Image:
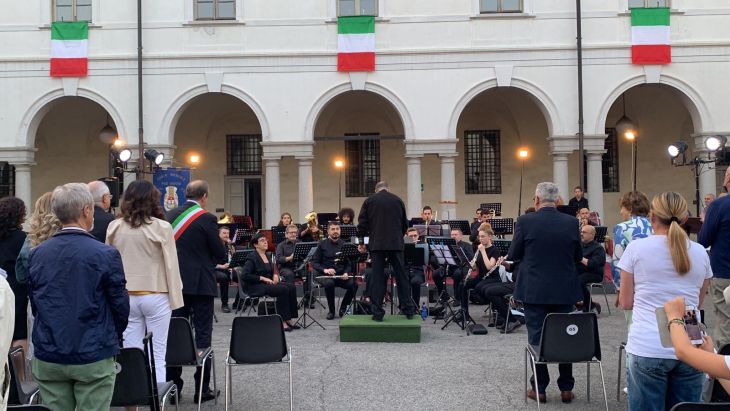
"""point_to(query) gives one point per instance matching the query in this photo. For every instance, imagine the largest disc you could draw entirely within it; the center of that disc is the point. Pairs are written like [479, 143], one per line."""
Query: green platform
[393, 328]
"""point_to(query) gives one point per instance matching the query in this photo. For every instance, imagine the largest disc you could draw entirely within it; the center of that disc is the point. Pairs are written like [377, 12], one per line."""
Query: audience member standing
[77, 292]
[7, 320]
[198, 251]
[654, 270]
[144, 239]
[12, 236]
[715, 233]
[548, 246]
[708, 199]
[102, 204]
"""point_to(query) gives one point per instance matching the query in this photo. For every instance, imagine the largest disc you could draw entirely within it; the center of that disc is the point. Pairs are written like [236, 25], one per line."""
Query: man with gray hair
[79, 299]
[547, 246]
[102, 203]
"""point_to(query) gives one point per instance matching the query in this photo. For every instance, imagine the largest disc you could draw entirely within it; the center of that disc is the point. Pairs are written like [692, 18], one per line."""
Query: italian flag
[650, 36]
[69, 49]
[356, 43]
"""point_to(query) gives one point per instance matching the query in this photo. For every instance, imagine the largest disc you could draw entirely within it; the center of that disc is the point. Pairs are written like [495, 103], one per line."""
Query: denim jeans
[659, 384]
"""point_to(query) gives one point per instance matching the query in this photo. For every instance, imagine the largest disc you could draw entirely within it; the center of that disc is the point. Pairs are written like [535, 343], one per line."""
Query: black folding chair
[567, 338]
[247, 298]
[136, 383]
[182, 352]
[23, 389]
[257, 340]
[621, 358]
[701, 406]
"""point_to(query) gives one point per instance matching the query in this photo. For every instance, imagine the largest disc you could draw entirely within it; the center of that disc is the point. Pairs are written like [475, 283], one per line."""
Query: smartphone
[692, 325]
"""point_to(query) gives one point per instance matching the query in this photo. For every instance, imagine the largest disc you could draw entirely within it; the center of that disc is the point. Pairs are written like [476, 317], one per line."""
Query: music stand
[278, 233]
[303, 252]
[502, 226]
[462, 225]
[497, 207]
[324, 218]
[414, 255]
[243, 235]
[348, 231]
[569, 210]
[459, 317]
[433, 230]
[601, 232]
[502, 246]
[239, 257]
[415, 221]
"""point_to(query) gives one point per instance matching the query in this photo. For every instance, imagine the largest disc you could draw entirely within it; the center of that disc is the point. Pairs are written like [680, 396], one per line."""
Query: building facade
[252, 87]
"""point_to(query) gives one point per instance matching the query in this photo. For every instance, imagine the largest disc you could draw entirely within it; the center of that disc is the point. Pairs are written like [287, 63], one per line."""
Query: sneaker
[225, 308]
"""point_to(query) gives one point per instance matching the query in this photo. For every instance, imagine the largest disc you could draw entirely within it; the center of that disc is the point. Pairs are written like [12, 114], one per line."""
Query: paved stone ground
[447, 370]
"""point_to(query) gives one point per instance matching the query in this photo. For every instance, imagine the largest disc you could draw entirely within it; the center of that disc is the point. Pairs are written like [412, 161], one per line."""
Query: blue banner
[171, 182]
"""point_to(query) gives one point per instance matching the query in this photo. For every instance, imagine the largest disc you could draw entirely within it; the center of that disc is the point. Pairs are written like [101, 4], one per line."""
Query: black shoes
[225, 308]
[513, 325]
[378, 317]
[208, 395]
[342, 313]
[330, 316]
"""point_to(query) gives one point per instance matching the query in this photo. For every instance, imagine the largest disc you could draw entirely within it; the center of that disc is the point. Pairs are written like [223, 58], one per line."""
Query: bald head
[587, 233]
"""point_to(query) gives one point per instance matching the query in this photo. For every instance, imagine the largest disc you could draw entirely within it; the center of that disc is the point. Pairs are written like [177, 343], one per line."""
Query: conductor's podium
[393, 329]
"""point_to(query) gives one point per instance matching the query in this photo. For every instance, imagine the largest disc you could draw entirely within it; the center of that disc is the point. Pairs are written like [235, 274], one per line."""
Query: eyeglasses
[291, 232]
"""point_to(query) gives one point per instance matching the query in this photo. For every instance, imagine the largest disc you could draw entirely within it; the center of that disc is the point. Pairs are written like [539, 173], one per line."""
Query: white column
[560, 174]
[272, 205]
[448, 187]
[413, 170]
[22, 185]
[595, 182]
[306, 191]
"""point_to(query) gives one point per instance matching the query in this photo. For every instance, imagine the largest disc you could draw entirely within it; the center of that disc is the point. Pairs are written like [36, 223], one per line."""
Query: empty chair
[567, 338]
[23, 389]
[182, 352]
[257, 340]
[136, 383]
[602, 286]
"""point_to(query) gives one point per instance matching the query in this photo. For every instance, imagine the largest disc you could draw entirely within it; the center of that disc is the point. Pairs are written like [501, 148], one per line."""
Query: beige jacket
[7, 322]
[149, 256]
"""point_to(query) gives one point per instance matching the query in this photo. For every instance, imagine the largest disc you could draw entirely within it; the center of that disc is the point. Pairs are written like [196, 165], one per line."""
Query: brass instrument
[226, 219]
[312, 225]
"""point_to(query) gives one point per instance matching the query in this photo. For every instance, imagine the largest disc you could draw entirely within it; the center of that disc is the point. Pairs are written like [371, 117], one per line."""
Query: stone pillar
[595, 182]
[448, 186]
[560, 174]
[272, 204]
[413, 170]
[22, 185]
[306, 191]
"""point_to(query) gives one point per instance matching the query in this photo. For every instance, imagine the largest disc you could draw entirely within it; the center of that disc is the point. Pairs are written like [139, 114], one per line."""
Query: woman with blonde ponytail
[654, 270]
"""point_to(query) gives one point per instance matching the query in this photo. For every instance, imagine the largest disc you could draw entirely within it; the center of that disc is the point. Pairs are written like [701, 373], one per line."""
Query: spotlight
[523, 153]
[154, 156]
[677, 148]
[339, 164]
[715, 143]
[125, 155]
[194, 158]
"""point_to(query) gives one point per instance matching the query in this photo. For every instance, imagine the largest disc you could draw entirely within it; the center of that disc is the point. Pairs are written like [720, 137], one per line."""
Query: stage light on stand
[154, 156]
[125, 155]
[523, 153]
[339, 165]
[715, 143]
[674, 150]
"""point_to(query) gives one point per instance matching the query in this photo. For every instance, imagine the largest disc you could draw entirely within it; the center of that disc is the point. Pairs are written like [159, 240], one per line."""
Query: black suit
[199, 249]
[593, 272]
[101, 223]
[582, 203]
[547, 244]
[383, 218]
[456, 272]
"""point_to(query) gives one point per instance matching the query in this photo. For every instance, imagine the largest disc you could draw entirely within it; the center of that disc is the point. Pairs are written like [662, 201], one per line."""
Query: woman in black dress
[260, 280]
[12, 237]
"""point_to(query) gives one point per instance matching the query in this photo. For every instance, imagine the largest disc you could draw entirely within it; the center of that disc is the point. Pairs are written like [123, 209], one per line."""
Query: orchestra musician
[285, 220]
[285, 260]
[310, 232]
[223, 271]
[326, 262]
[261, 280]
[346, 216]
[474, 227]
[427, 216]
[416, 276]
[457, 274]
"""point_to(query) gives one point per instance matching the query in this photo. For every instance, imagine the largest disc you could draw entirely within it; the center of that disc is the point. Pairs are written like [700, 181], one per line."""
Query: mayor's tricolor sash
[183, 221]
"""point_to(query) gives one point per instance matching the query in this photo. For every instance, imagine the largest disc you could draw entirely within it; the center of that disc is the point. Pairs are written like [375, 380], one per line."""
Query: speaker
[114, 188]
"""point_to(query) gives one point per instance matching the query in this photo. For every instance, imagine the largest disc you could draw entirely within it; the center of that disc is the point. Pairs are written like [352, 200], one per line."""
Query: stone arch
[692, 100]
[41, 106]
[543, 101]
[382, 91]
[182, 101]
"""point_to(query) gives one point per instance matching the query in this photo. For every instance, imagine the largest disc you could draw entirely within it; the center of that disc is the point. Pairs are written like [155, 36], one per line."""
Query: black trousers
[224, 279]
[534, 316]
[495, 293]
[585, 279]
[377, 287]
[416, 278]
[329, 285]
[200, 308]
[439, 278]
[285, 294]
[478, 285]
[290, 275]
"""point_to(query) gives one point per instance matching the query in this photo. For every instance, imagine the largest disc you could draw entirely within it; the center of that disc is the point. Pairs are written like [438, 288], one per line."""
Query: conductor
[383, 218]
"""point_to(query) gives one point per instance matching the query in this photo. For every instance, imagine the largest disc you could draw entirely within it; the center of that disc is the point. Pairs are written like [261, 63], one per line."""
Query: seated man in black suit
[416, 276]
[578, 201]
[590, 268]
[327, 262]
[102, 203]
[427, 216]
[548, 246]
[457, 273]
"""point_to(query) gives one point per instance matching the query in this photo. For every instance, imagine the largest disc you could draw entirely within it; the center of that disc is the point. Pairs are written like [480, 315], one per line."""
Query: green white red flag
[356, 43]
[650, 36]
[69, 49]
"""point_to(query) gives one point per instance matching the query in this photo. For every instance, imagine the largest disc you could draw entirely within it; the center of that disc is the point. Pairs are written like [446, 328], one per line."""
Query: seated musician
[223, 271]
[260, 280]
[416, 276]
[457, 274]
[427, 216]
[327, 263]
[485, 261]
[590, 269]
[474, 227]
[285, 220]
[474, 236]
[346, 216]
[285, 260]
[310, 232]
[583, 216]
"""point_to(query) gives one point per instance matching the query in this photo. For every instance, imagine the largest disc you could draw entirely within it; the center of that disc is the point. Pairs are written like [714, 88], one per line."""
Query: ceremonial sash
[183, 221]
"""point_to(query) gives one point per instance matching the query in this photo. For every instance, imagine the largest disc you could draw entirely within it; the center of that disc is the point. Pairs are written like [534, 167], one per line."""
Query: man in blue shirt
[715, 233]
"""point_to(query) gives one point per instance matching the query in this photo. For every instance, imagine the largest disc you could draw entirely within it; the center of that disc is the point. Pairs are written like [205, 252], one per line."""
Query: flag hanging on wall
[69, 49]
[356, 43]
[650, 36]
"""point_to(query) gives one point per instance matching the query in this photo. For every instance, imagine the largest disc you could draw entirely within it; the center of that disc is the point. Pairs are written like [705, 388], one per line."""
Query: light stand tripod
[306, 249]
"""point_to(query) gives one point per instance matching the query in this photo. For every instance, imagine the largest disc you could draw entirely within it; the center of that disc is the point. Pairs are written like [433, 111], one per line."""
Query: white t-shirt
[656, 282]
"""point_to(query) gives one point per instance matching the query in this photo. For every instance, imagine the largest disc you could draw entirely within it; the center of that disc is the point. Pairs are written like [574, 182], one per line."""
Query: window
[7, 179]
[215, 9]
[357, 7]
[609, 162]
[648, 3]
[362, 164]
[483, 172]
[71, 10]
[243, 153]
[500, 6]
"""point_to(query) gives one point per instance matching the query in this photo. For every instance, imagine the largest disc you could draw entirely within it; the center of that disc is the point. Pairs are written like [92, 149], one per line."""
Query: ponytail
[670, 209]
[678, 247]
